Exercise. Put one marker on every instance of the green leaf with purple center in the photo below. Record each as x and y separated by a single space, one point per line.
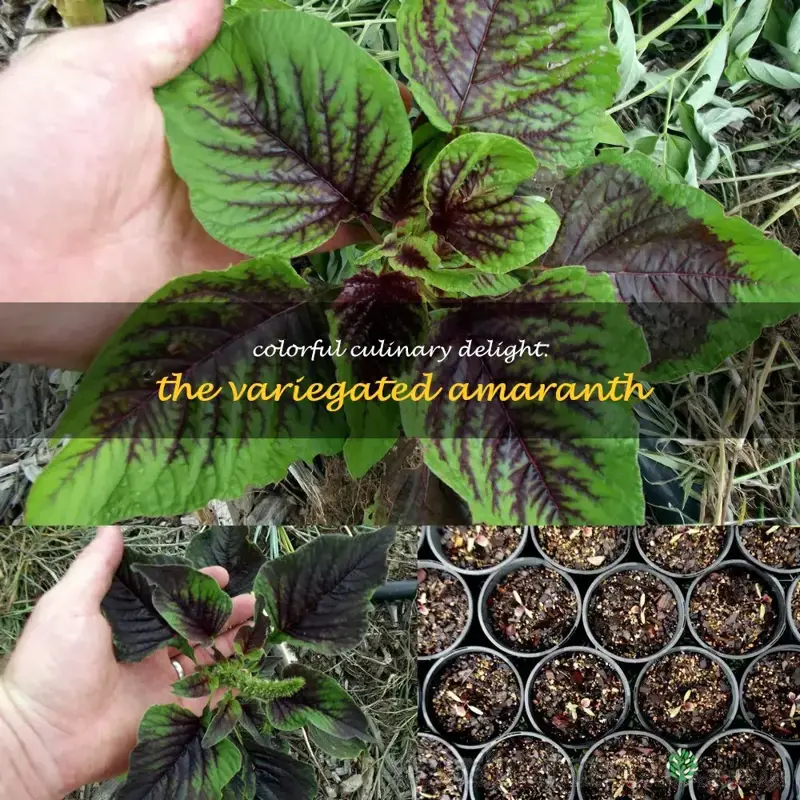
321 702
471 196
701 285
283 129
542 72
169 759
131 454
191 602
540 461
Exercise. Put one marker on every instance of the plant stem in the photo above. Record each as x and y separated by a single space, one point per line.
677 74
643 43
77 13
760 176
374 235
789 205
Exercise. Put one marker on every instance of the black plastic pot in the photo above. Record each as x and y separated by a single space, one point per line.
496 577
731 678
584 572
435 543
560 653
590 752
436 565
456 757
787 761
634 567
781 573
477 794
680 576
437 668
792 625
780 612
797 781
748 717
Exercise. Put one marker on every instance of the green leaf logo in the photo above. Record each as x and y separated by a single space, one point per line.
682 765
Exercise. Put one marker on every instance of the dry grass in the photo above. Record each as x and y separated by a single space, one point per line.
380 673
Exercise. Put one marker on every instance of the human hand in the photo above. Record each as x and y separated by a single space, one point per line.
91 211
69 712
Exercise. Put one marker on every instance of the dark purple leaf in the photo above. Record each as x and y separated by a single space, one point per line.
138 628
169 760
227 546
318 596
192 603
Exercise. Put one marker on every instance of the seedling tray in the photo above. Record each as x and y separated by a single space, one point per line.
476 636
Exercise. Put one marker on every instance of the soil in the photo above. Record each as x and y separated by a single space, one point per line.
583 548
773 545
475 698
633 614
685 696
442 611
772 695
479 546
532 609
740 767
439 775
796 607
632 766
523 768
733 611
682 550
577 698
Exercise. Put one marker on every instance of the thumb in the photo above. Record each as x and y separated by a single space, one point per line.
155 45
89 578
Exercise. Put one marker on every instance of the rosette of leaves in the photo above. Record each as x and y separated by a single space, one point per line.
283 131
236 749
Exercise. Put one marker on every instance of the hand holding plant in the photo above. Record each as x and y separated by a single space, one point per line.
91 211
69 712
95 664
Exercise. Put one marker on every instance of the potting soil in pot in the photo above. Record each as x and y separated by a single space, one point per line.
525 769
442 610
771 694
479 546
630 766
740 766
685 696
577 697
733 611
532 609
439 775
475 698
582 548
633 614
684 551
775 546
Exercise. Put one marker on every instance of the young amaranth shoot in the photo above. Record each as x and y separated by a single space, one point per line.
284 130
236 749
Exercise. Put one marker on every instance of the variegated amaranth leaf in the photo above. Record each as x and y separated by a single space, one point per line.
283 129
471 195
537 461
541 71
133 455
169 760
701 285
